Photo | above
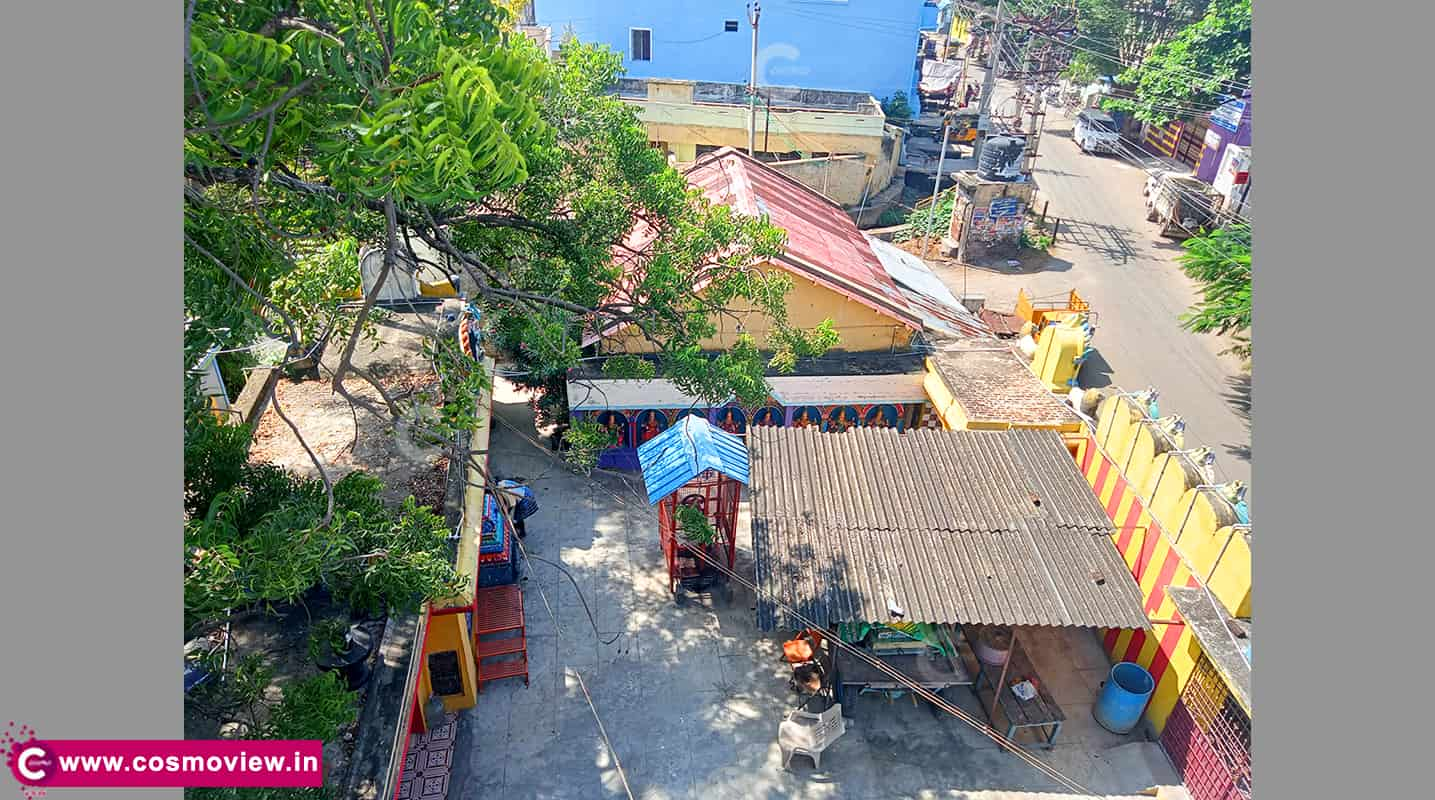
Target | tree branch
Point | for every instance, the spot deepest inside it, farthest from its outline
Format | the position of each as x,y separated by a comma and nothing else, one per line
233,276
248,118
323,474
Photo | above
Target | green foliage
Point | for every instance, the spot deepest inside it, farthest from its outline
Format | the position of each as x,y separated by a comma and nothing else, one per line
694,525
313,708
932,219
318,707
1112,33
1193,69
261,544
328,637
1220,262
299,134
586,440
891,216
897,108
1036,241
214,458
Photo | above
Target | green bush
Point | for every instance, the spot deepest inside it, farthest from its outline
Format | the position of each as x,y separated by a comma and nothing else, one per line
896,107
214,459
933,220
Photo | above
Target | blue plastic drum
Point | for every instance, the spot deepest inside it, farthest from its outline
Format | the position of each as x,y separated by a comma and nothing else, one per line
1124,697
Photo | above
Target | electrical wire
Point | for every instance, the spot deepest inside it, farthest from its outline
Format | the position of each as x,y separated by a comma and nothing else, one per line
1110,57
982,727
558,630
691,41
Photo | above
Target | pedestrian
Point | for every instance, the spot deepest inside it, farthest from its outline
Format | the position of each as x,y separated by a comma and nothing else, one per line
524,507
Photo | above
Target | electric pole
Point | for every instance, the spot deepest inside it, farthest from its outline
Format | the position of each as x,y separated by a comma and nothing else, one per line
984,123
754,10
941,161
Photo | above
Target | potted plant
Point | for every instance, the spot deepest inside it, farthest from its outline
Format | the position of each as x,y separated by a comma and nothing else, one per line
337,647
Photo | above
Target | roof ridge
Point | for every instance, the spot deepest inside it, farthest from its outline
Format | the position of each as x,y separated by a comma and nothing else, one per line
727,150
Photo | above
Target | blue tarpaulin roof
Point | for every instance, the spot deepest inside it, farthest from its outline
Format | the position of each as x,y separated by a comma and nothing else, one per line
687,449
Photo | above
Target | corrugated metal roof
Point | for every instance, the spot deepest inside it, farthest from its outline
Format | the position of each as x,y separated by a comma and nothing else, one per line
982,527
689,448
925,293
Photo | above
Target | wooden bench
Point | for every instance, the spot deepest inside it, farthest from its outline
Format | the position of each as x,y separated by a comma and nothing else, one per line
1040,713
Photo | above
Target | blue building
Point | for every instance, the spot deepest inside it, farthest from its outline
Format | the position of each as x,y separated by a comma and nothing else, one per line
851,45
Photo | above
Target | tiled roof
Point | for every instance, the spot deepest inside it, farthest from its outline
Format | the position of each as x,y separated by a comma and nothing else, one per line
981,527
992,383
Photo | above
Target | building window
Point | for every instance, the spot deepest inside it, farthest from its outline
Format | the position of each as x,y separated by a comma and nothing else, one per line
640,44
730,25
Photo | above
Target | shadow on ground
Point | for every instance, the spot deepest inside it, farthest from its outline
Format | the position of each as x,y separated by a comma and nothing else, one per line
690,694
1109,241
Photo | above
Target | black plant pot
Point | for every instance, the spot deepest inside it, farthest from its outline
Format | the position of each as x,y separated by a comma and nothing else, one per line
353,663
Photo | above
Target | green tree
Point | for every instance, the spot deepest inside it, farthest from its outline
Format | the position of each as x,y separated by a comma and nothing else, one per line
316,127
1220,262
1203,62
1109,34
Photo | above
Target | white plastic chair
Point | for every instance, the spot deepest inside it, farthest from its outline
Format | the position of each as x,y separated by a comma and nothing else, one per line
808,734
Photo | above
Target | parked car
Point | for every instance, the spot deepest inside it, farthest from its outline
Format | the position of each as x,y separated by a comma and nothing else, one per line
1096,132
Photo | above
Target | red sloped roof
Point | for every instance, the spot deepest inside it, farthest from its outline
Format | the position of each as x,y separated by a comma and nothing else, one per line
823,244
823,241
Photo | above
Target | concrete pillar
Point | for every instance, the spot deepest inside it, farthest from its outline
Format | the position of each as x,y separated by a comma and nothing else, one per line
685,151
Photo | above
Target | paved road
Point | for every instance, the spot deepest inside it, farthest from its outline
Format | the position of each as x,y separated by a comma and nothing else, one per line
1111,255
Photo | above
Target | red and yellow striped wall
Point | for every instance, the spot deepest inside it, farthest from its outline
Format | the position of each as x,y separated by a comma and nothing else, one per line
1163,139
1169,650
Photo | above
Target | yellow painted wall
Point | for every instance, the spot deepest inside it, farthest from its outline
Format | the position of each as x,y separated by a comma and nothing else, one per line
940,398
684,125
840,179
955,418
861,328
1167,480
1146,443
1058,350
451,632
1151,547
1229,553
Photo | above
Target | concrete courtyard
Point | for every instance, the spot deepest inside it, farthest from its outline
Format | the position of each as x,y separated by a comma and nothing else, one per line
690,695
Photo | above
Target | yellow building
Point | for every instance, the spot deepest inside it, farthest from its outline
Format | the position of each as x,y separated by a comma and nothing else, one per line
1176,531
882,301
980,384
838,143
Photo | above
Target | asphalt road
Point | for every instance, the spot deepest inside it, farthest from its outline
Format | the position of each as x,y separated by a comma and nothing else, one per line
1110,254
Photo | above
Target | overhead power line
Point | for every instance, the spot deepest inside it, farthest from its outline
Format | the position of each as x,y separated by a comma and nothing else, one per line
982,727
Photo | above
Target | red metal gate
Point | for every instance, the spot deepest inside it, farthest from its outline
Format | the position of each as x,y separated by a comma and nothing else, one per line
1208,737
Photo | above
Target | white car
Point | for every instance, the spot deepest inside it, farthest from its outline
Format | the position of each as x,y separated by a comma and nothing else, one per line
1096,132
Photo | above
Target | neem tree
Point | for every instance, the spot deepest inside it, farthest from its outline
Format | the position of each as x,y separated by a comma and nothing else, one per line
315,127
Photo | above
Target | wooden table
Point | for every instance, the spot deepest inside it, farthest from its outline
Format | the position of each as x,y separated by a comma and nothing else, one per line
933,671
1041,712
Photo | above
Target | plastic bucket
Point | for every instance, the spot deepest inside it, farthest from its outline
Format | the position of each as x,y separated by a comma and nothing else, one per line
1128,688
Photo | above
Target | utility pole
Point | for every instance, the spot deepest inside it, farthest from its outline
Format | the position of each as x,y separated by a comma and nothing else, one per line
754,10
984,123
941,161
